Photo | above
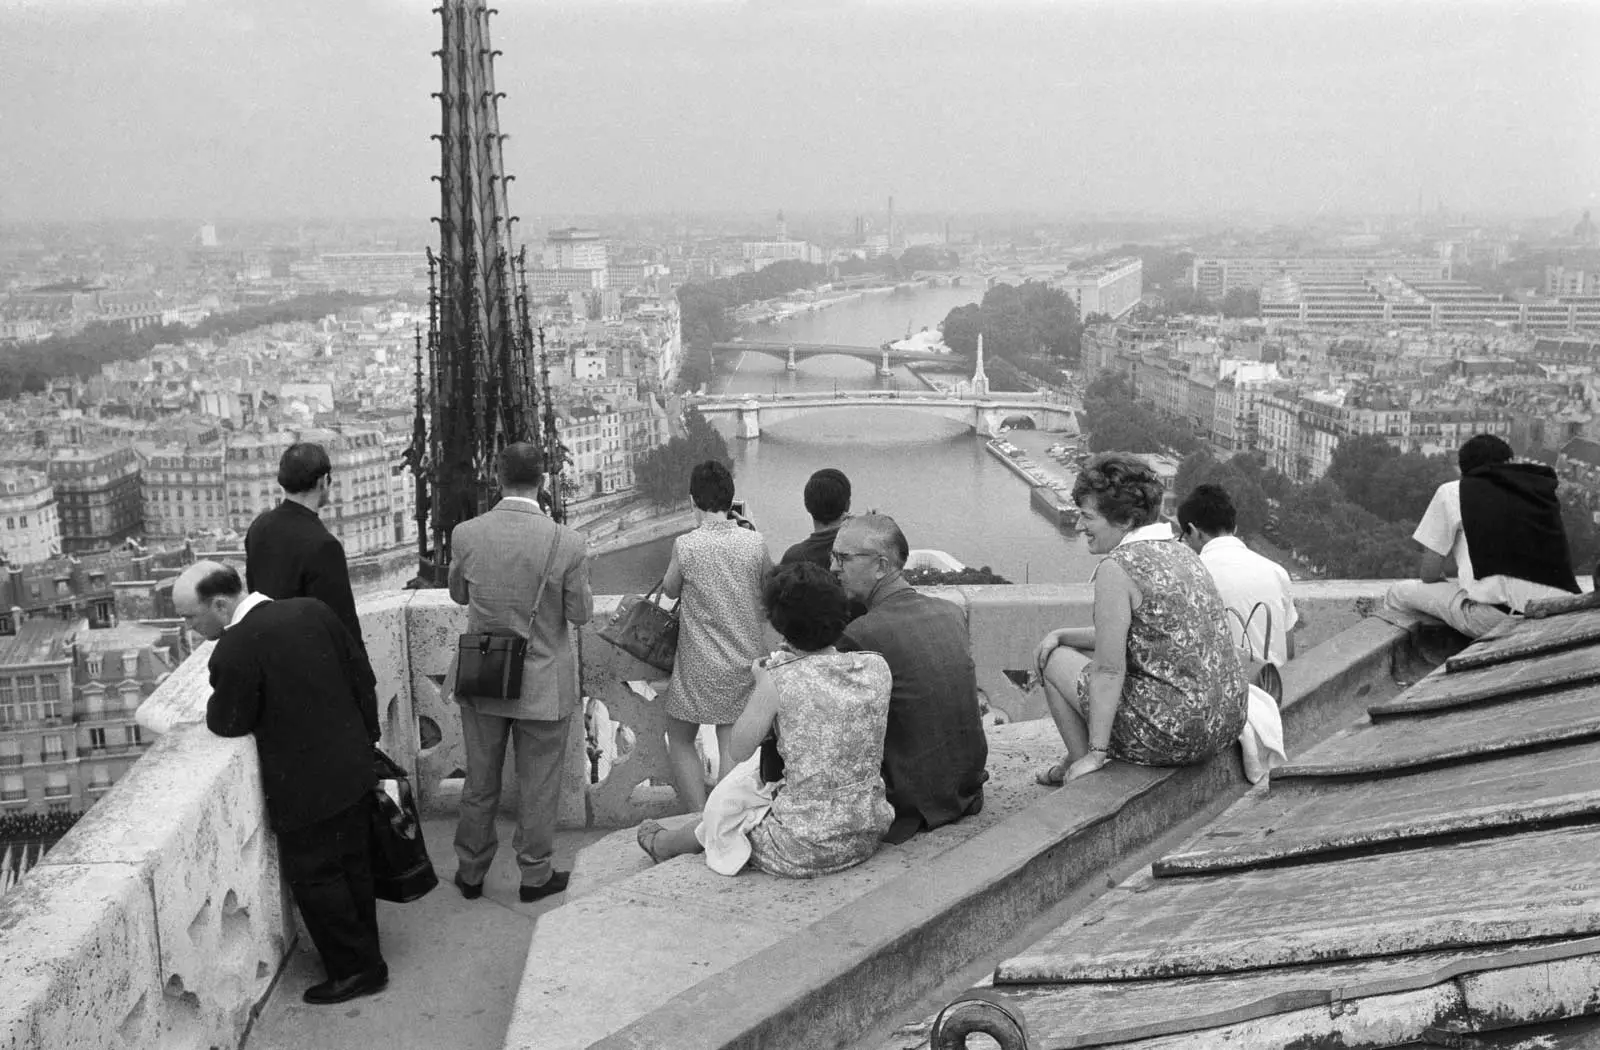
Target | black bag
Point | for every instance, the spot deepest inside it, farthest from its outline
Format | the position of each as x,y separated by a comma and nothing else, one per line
489,663
644,630
1259,670
401,870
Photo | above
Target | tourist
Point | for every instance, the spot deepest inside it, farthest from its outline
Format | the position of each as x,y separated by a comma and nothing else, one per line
717,570
1501,525
934,749
1244,579
827,498
498,569
290,673
1156,680
828,710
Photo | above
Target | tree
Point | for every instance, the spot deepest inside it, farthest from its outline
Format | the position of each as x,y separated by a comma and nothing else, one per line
1018,322
1241,302
662,474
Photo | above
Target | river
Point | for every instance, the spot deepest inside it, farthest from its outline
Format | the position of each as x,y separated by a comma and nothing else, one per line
932,475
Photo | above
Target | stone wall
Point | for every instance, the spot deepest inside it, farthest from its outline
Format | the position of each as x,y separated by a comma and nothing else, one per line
161,918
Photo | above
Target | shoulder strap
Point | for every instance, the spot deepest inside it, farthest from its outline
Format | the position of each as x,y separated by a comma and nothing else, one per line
549,564
1244,626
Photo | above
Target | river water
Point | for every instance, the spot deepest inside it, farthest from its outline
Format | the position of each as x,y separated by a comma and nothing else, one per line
932,475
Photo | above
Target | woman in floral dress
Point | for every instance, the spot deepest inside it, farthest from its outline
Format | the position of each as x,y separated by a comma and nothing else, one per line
716,571
1156,680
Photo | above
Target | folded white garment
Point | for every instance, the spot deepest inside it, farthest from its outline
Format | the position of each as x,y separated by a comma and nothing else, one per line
1262,739
737,804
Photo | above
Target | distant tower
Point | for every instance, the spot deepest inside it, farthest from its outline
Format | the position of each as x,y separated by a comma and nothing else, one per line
891,222
208,236
483,388
980,381
783,227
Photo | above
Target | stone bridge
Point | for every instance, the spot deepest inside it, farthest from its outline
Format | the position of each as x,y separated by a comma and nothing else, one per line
984,415
793,353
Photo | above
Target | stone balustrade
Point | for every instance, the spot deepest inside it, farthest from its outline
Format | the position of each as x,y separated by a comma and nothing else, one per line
161,919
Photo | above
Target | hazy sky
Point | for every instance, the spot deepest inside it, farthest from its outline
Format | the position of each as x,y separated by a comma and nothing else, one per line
269,108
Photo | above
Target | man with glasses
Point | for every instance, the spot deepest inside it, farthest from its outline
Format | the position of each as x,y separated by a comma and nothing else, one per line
934,749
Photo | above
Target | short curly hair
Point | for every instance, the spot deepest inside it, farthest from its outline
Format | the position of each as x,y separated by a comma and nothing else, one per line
1126,491
806,605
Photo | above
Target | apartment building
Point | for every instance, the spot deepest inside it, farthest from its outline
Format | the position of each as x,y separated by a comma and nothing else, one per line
98,497
30,529
1111,289
183,490
1214,276
607,439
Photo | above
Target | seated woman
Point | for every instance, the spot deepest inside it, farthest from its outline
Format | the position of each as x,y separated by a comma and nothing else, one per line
1156,680
829,710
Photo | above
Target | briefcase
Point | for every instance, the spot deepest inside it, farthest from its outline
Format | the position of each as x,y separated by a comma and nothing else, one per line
489,664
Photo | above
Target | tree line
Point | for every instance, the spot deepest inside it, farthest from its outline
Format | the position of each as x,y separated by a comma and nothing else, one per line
29,367
662,474
1025,325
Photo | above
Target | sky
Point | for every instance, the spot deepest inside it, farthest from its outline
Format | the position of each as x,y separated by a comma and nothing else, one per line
262,109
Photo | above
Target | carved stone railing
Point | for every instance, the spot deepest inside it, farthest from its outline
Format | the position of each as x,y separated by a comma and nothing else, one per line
161,919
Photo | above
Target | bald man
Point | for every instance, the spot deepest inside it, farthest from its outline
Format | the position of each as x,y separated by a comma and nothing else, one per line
290,673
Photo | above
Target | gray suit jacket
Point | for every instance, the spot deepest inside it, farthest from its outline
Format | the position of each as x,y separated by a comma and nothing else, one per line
496,561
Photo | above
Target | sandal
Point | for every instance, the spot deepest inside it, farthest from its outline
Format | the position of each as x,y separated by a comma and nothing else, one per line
1054,776
648,830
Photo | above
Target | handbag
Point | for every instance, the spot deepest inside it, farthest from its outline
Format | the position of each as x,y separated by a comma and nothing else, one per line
645,630
489,663
401,870
1259,670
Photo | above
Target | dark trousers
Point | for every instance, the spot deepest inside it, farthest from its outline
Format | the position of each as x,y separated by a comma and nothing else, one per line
329,868
539,749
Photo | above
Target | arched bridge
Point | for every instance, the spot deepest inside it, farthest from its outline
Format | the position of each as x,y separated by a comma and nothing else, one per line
794,352
985,415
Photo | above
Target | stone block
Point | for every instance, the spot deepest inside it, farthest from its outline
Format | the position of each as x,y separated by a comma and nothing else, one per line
1005,625
181,698
78,963
208,861
384,630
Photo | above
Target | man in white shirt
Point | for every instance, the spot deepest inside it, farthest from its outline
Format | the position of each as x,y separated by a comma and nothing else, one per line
1501,525
1244,578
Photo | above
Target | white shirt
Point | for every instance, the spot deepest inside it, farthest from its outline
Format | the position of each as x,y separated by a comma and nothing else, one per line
1440,531
1244,579
524,499
251,600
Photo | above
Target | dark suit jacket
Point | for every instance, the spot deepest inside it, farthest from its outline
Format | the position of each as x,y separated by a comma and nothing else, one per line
291,674
496,562
816,548
289,553
934,749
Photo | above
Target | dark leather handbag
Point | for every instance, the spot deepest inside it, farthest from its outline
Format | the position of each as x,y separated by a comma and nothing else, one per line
489,663
1259,670
401,870
645,630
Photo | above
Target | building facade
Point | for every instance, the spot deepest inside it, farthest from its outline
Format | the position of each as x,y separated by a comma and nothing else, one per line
30,529
183,491
1111,289
98,496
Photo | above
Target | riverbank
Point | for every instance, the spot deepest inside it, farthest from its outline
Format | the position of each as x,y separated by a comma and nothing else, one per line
635,530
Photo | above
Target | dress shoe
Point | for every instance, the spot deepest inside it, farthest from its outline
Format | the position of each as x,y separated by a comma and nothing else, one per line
557,884
346,988
470,890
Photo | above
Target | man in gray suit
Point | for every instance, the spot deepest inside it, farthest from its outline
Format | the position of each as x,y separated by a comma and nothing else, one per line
497,562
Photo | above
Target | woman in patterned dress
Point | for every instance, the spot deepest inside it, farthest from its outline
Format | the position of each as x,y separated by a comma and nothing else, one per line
829,711
716,571
1156,680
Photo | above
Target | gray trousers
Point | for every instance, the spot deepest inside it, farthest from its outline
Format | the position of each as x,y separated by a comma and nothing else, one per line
1447,601
539,750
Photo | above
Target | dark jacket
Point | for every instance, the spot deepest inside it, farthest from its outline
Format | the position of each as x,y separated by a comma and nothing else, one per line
934,749
816,548
291,674
289,553
1512,519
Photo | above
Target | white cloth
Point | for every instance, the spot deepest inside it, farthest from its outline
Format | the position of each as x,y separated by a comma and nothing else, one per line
737,804
240,611
1440,531
1159,531
1244,579
1262,739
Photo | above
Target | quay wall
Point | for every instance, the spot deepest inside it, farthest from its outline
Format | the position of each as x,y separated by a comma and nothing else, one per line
161,919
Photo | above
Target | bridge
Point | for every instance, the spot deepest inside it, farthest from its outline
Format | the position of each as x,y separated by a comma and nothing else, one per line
984,414
795,352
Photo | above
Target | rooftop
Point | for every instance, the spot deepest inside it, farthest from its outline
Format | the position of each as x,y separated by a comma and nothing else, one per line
38,641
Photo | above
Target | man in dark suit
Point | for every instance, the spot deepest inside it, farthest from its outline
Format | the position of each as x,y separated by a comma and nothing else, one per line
290,673
289,553
934,749
518,571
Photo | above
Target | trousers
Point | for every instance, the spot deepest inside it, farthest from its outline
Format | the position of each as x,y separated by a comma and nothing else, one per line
539,747
1447,601
328,866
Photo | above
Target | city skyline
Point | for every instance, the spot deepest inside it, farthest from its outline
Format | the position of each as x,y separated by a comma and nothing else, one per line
257,111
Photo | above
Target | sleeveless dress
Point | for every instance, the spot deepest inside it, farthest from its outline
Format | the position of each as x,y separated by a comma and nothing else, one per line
1185,694
830,810
720,623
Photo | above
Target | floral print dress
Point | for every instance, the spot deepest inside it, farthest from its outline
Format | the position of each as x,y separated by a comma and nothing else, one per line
1185,694
831,809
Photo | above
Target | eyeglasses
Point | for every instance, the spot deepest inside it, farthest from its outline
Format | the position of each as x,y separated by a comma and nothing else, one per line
840,557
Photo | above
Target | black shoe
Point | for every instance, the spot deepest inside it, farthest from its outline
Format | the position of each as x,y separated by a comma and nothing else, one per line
470,890
346,988
557,884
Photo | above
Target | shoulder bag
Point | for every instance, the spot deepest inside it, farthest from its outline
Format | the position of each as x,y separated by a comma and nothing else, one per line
1259,670
489,663
645,630
401,870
